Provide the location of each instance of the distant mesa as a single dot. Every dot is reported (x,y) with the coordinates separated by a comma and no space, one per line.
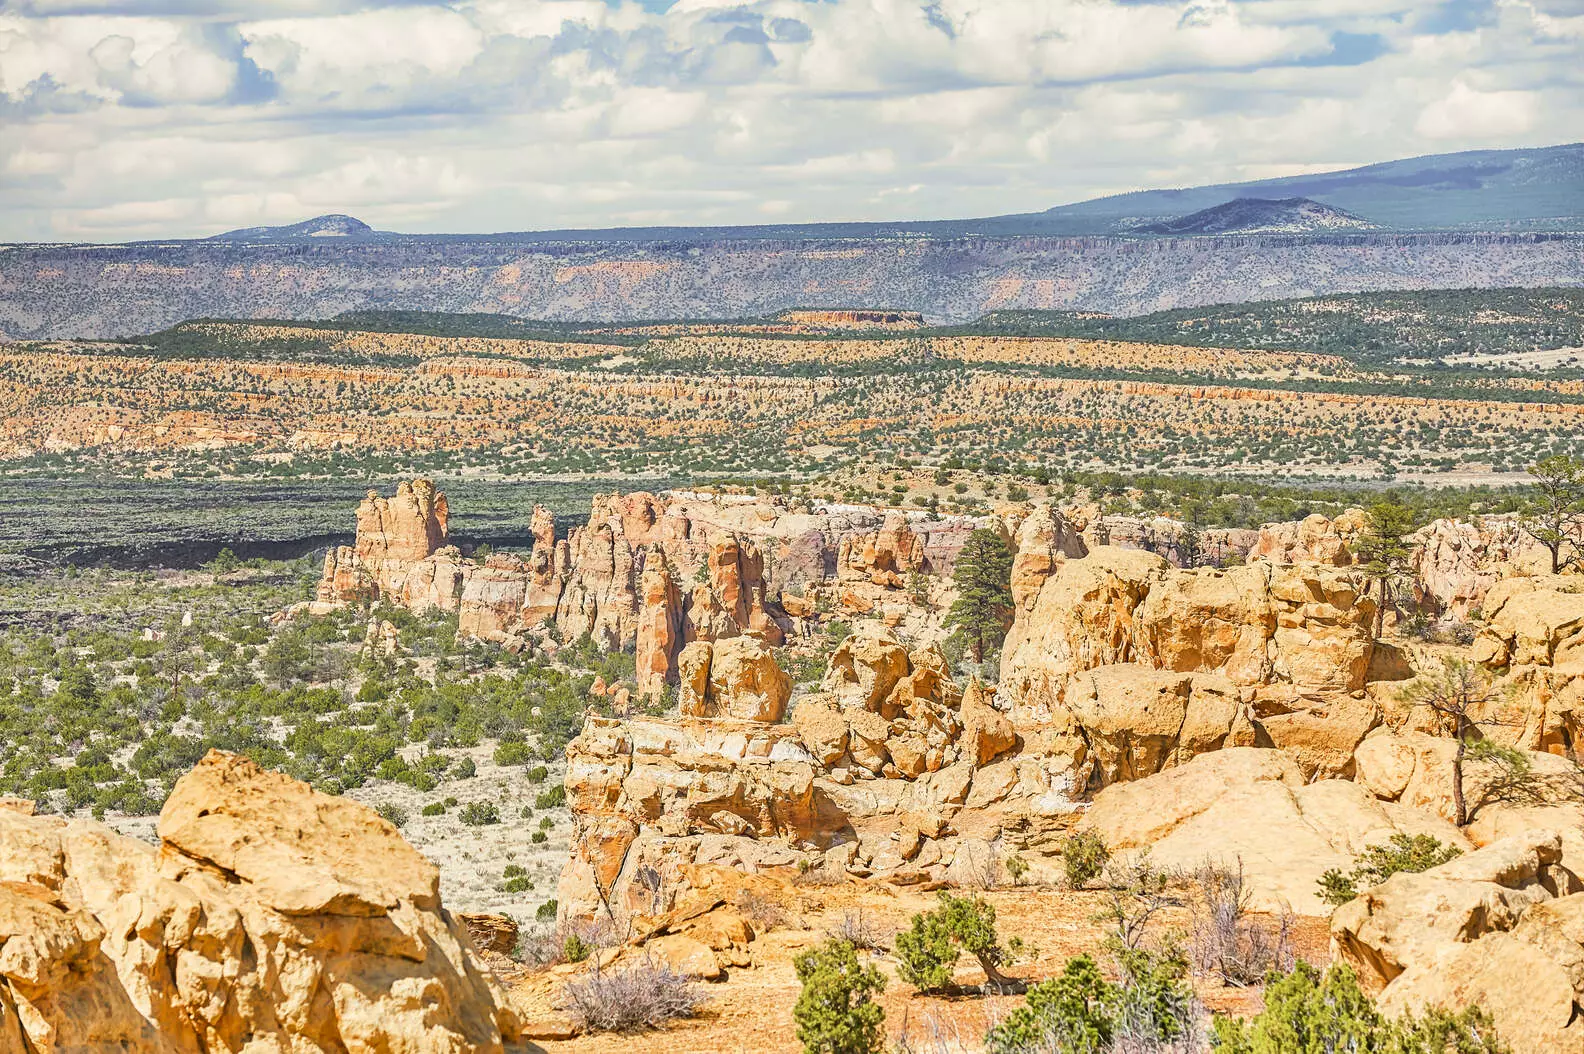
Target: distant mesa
(334,225)
(859,318)
(1262,216)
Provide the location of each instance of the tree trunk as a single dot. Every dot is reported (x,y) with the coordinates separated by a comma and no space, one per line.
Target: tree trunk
(1556,558)
(999,981)
(1458,803)
(1380,610)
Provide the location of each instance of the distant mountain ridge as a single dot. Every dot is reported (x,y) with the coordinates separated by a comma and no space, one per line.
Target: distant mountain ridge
(1506,191)
(332,225)
(1487,218)
(1262,216)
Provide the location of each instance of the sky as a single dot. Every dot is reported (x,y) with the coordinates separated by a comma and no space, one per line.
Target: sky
(125,119)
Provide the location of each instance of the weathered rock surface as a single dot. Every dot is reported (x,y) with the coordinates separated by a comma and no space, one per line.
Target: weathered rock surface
(1455,563)
(1166,663)
(736,677)
(1314,539)
(1502,927)
(271,918)
(1254,806)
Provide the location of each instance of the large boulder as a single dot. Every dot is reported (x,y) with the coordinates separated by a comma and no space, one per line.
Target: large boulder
(865,668)
(736,678)
(1532,621)
(1254,806)
(272,917)
(1502,928)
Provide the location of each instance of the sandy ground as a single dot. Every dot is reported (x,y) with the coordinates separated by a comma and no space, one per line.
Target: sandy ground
(1522,360)
(751,1010)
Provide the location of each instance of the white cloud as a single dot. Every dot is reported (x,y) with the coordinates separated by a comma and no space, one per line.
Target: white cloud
(1467,113)
(123,118)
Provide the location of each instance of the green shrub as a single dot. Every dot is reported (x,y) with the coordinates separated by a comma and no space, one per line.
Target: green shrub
(539,838)
(518,884)
(1084,858)
(1071,1014)
(434,808)
(514,754)
(552,798)
(465,769)
(575,949)
(1402,852)
(513,870)
(836,1012)
(1080,1012)
(927,951)
(479,814)
(1310,1013)
(537,774)
(546,912)
(1017,868)
(392,813)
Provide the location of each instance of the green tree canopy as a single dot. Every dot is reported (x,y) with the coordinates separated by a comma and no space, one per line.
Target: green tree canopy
(1556,507)
(982,611)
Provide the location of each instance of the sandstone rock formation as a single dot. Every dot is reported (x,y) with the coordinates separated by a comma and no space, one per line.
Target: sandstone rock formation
(1126,665)
(648,573)
(1255,807)
(871,769)
(1456,562)
(736,677)
(1502,927)
(1533,638)
(1314,539)
(271,918)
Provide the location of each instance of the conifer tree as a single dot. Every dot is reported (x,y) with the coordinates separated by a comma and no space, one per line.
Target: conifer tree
(983,608)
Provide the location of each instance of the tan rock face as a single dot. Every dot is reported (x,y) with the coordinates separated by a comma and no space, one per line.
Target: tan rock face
(1456,562)
(650,798)
(1502,927)
(885,557)
(1044,541)
(409,526)
(1255,805)
(1315,539)
(1126,665)
(659,632)
(270,918)
(735,678)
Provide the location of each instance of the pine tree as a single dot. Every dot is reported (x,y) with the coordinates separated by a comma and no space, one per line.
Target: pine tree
(1554,512)
(1384,551)
(983,608)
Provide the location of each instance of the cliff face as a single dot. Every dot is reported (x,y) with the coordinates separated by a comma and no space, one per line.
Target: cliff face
(99,291)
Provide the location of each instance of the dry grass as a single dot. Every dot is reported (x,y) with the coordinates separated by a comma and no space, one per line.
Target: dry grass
(630,999)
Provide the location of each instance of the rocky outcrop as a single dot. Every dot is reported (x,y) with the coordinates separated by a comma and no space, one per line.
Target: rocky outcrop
(736,677)
(871,769)
(1532,640)
(648,573)
(1455,563)
(1502,927)
(1255,807)
(1124,664)
(885,557)
(1314,539)
(408,526)
(271,917)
